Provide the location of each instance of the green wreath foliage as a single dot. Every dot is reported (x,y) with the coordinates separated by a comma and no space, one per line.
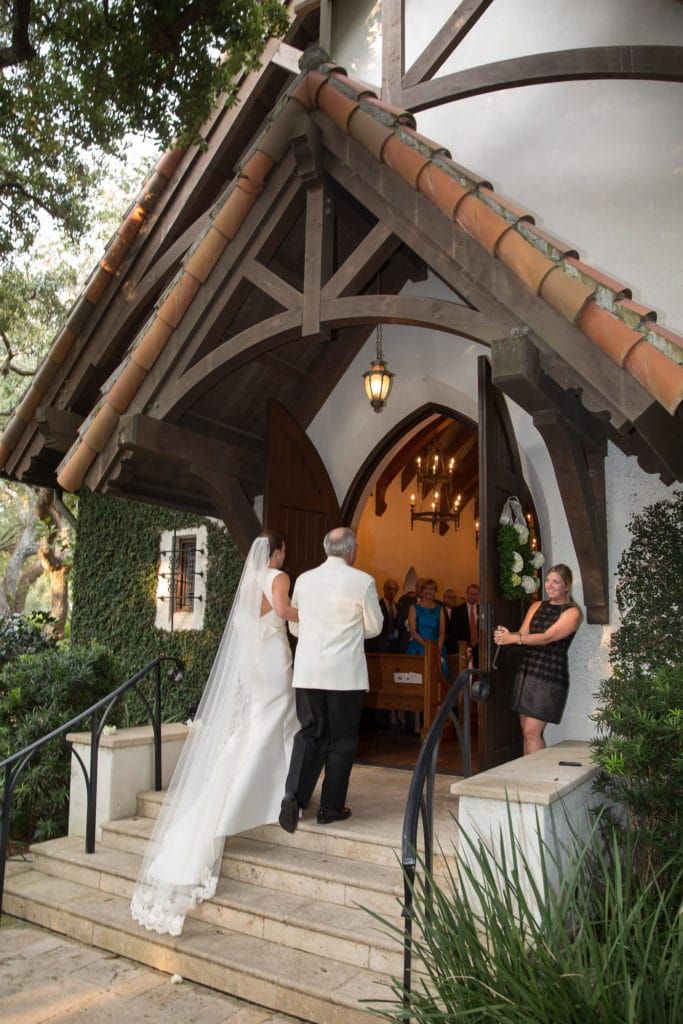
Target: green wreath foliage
(509,545)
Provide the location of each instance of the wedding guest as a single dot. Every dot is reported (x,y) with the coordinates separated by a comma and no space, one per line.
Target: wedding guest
(542,680)
(387,641)
(450,601)
(466,625)
(427,621)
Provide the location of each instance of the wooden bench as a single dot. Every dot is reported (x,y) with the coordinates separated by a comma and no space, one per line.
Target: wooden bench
(389,695)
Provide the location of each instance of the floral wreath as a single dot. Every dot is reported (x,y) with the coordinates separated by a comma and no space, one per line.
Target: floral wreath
(519,563)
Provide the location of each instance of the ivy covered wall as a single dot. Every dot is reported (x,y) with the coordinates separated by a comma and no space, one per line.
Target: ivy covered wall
(114,582)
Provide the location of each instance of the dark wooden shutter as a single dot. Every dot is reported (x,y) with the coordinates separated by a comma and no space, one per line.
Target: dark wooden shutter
(500,475)
(299,499)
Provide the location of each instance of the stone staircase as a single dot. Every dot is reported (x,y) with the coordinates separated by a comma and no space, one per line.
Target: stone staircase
(292,925)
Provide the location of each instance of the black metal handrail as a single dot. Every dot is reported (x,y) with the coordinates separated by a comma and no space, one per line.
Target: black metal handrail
(13,765)
(421,798)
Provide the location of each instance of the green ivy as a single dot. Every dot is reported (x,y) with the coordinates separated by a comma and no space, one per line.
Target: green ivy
(114,587)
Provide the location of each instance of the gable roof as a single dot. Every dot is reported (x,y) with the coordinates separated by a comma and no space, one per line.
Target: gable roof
(597,305)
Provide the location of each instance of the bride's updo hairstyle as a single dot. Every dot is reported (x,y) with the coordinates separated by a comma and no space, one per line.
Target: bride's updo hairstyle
(275,541)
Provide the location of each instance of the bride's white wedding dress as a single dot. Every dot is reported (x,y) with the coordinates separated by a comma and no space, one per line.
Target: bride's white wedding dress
(231,773)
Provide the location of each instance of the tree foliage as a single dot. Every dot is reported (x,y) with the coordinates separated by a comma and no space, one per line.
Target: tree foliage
(80,75)
(640,715)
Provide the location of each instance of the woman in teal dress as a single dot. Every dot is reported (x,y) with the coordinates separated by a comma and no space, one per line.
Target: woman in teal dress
(427,621)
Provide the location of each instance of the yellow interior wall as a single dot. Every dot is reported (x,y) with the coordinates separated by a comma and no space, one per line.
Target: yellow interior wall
(387,547)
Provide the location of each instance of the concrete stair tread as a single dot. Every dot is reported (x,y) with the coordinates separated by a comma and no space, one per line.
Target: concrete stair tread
(115,871)
(286,979)
(322,866)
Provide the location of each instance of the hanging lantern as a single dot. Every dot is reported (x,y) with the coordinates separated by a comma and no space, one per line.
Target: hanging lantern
(378,379)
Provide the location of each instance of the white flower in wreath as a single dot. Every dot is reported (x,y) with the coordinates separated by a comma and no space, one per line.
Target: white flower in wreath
(517,562)
(515,579)
(538,559)
(109,730)
(530,584)
(522,532)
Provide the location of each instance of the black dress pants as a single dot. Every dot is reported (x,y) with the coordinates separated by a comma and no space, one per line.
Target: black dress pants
(328,738)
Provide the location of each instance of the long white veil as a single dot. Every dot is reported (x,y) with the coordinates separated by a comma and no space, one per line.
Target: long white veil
(182,863)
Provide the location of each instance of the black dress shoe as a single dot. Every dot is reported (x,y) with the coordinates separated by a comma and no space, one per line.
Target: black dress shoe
(326,815)
(289,813)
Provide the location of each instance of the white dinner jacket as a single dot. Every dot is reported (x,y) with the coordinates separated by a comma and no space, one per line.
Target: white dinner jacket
(338,608)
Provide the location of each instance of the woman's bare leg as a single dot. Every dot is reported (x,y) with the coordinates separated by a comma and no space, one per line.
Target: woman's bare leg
(532,731)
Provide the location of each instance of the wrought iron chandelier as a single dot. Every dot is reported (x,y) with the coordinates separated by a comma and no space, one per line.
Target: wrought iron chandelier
(434,474)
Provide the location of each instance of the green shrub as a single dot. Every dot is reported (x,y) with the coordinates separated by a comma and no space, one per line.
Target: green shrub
(605,945)
(23,634)
(640,707)
(38,693)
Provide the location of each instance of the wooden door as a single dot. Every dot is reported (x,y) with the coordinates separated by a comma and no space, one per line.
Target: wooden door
(299,500)
(500,475)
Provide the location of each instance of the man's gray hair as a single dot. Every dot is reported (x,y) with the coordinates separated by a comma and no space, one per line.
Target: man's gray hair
(340,542)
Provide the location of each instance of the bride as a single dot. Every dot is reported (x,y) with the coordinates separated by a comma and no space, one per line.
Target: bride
(232,769)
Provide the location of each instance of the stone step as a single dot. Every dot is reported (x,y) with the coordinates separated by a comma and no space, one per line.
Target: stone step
(347,934)
(371,835)
(301,872)
(305,985)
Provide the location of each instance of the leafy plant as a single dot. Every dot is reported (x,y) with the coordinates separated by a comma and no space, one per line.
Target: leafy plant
(38,693)
(518,562)
(23,634)
(497,944)
(640,715)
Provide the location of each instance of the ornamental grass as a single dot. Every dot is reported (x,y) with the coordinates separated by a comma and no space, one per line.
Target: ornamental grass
(586,940)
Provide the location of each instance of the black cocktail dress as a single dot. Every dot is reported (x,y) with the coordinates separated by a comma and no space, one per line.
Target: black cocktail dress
(542,680)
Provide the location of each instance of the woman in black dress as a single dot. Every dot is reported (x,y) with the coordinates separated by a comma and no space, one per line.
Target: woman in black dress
(542,679)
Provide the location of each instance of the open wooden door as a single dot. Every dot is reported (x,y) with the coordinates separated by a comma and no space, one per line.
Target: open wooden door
(500,475)
(299,499)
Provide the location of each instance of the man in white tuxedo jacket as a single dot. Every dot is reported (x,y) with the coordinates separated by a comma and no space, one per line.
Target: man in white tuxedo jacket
(338,608)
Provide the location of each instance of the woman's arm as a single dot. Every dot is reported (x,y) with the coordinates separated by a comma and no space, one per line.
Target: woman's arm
(412,625)
(568,622)
(281,603)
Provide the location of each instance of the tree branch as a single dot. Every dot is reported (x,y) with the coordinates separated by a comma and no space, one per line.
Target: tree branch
(21,49)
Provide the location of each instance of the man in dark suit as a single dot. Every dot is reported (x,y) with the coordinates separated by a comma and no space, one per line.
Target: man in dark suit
(467,621)
(387,641)
(450,601)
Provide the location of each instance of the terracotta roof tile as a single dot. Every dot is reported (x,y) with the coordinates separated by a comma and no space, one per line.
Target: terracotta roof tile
(403,159)
(96,284)
(336,104)
(612,335)
(13,431)
(177,298)
(369,132)
(634,313)
(548,244)
(205,253)
(28,405)
(132,224)
(314,83)
(126,387)
(351,87)
(115,254)
(505,207)
(275,140)
(167,163)
(481,222)
(387,113)
(256,167)
(654,371)
(229,216)
(427,147)
(80,311)
(300,92)
(530,265)
(101,428)
(468,179)
(568,295)
(667,341)
(443,190)
(588,273)
(153,337)
(61,346)
(44,376)
(75,465)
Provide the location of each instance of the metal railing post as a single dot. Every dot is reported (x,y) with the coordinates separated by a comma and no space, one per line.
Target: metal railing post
(156,725)
(4,827)
(91,787)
